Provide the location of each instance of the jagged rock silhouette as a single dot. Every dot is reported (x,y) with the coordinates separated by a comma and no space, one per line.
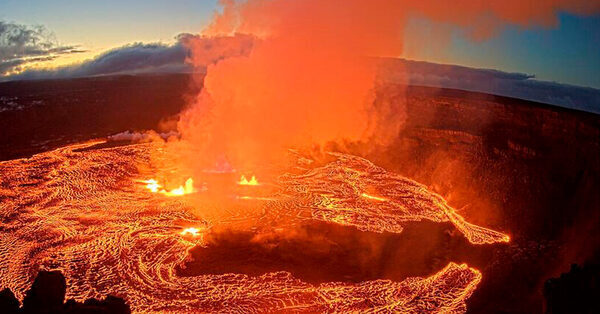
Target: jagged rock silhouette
(577,291)
(47,295)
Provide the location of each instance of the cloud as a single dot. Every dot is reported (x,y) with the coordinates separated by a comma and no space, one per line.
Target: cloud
(516,85)
(23,44)
(149,58)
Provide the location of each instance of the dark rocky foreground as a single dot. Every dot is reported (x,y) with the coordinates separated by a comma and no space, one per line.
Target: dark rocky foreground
(577,291)
(47,295)
(528,169)
(41,115)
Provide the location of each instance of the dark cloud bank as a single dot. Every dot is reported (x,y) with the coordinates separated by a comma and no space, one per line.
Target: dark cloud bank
(147,58)
(161,58)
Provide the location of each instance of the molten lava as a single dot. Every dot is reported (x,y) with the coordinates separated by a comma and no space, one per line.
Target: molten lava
(336,192)
(371,197)
(154,187)
(191,231)
(80,210)
(244,181)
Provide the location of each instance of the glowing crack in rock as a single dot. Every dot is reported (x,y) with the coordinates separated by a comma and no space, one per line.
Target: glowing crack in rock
(81,211)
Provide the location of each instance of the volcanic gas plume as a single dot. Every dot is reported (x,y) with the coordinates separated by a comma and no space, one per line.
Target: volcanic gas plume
(310,75)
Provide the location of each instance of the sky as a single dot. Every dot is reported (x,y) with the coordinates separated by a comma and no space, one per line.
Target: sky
(97,26)
(567,53)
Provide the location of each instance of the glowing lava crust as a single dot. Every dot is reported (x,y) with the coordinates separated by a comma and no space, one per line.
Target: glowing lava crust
(85,212)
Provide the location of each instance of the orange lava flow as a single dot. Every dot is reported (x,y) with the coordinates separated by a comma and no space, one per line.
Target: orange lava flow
(336,193)
(83,211)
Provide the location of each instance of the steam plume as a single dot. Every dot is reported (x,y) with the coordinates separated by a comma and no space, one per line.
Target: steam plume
(308,79)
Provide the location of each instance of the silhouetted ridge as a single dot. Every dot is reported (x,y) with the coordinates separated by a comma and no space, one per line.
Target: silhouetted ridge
(47,295)
(577,291)
(8,302)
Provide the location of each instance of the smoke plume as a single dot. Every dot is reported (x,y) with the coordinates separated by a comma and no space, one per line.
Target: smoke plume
(310,76)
